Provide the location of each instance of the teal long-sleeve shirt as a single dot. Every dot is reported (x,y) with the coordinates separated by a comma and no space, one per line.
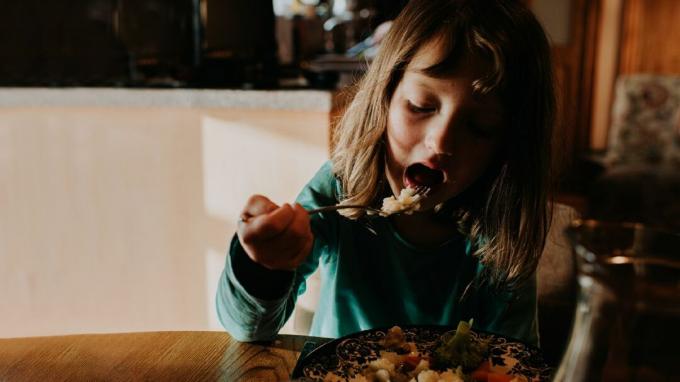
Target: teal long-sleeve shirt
(370,280)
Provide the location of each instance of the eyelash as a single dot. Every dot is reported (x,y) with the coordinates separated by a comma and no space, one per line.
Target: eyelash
(420,109)
(475,129)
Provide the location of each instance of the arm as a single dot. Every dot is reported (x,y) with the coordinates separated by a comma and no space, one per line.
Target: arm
(255,300)
(254,295)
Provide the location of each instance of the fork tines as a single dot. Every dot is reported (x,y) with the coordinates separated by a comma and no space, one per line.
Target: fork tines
(422,190)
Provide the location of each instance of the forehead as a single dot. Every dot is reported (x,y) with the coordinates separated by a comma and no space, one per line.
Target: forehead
(437,67)
(435,59)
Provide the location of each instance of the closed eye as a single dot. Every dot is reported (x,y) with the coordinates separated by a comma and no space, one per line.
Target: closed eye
(420,109)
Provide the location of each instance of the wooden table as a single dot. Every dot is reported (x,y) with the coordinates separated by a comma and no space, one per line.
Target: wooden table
(153,356)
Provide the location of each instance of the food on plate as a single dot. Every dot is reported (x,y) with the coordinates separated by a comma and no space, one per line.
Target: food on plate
(420,353)
(407,202)
(457,358)
(461,349)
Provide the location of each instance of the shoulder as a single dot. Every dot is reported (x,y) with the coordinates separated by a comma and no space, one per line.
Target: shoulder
(325,175)
(323,189)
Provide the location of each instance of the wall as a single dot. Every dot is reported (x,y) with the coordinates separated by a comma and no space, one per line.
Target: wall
(117,219)
(606,61)
(650,37)
(635,36)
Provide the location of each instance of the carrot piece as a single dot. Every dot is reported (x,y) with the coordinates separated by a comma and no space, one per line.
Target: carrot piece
(485,365)
(481,372)
(412,360)
(495,377)
(480,375)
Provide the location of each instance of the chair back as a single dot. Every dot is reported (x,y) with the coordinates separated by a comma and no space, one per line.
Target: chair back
(645,125)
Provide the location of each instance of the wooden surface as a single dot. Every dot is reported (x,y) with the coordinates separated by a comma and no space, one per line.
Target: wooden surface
(152,356)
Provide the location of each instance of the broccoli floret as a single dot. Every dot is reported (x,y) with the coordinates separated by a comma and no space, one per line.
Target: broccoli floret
(461,350)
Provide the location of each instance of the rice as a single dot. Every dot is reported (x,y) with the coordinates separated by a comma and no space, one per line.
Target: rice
(422,365)
(382,364)
(433,376)
(407,202)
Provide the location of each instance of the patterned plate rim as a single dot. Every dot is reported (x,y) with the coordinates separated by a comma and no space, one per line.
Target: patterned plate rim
(331,345)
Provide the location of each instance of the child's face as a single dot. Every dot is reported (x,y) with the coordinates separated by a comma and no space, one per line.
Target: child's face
(439,132)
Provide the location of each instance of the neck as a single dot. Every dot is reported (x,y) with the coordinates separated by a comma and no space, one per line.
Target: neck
(424,228)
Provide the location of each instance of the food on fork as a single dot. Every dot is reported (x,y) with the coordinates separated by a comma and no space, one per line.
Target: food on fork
(407,202)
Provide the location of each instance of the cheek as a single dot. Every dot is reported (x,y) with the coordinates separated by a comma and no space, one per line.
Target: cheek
(472,162)
(402,136)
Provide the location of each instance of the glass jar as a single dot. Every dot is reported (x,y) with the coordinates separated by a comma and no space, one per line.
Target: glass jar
(627,320)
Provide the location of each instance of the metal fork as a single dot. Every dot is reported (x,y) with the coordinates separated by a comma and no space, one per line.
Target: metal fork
(422,191)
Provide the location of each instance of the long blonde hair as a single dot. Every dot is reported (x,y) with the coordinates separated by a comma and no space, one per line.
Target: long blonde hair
(508,221)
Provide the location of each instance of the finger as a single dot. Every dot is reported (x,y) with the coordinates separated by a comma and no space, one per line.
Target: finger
(300,225)
(274,253)
(296,241)
(257,205)
(268,226)
(297,230)
(287,245)
(288,255)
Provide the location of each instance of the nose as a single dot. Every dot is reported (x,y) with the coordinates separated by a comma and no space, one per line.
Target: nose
(441,131)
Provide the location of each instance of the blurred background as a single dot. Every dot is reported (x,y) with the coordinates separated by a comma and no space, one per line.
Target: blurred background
(132,132)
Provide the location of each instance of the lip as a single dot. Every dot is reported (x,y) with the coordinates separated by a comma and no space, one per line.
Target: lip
(409,182)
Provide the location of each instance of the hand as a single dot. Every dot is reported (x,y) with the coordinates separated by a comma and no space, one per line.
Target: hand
(278,238)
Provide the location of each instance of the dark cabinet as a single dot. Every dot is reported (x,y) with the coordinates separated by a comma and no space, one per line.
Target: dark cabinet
(207,43)
(55,42)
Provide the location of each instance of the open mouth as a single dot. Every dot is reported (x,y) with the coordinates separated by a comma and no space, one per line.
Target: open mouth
(420,175)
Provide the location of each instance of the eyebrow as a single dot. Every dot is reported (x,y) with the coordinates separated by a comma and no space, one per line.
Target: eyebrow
(435,74)
(432,72)
(482,99)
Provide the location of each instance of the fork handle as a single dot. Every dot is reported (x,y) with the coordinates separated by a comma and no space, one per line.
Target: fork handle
(244,217)
(341,207)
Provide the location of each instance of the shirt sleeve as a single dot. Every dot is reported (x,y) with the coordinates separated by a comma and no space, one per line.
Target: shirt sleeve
(253,302)
(243,314)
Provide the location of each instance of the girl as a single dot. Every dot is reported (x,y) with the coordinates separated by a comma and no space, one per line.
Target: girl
(459,99)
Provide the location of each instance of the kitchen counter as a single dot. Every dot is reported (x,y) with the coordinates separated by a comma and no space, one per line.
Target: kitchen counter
(118,204)
(307,100)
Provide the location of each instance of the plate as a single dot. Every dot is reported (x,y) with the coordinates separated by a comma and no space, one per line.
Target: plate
(347,356)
